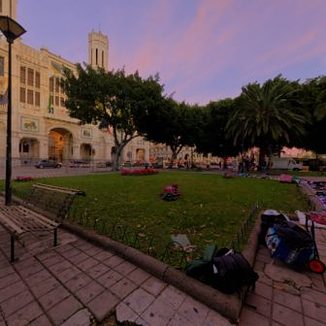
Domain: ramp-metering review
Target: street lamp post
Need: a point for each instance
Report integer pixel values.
(11, 30)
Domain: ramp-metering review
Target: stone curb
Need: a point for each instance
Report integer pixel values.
(228, 305)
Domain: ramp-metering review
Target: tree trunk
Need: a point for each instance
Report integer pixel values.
(117, 157)
(262, 164)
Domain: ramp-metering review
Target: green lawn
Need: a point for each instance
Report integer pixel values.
(211, 208)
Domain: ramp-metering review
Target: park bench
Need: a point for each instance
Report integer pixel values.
(43, 210)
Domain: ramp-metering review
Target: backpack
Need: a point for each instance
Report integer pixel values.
(227, 271)
(290, 243)
(268, 218)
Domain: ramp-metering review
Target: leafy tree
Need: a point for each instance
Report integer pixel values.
(111, 99)
(212, 137)
(313, 94)
(267, 115)
(173, 124)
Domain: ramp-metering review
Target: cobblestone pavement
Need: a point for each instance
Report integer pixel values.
(78, 283)
(285, 297)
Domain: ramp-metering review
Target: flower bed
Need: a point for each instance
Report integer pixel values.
(23, 178)
(145, 171)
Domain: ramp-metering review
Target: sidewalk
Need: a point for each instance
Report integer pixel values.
(80, 284)
(285, 297)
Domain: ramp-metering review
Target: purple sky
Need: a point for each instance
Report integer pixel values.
(203, 49)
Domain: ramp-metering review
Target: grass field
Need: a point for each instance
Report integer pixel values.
(211, 208)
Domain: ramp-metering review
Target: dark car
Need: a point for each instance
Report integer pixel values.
(79, 164)
(47, 164)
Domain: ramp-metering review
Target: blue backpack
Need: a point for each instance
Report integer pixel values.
(291, 244)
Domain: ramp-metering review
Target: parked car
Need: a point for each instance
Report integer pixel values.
(48, 164)
(79, 164)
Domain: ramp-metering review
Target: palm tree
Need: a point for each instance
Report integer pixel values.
(267, 116)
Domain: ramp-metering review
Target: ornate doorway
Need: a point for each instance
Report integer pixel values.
(60, 144)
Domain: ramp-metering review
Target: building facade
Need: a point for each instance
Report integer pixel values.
(41, 125)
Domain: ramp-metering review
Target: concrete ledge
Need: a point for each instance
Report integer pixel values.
(227, 305)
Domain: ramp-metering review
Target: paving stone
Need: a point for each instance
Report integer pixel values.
(259, 266)
(82, 244)
(180, 320)
(142, 322)
(9, 279)
(31, 270)
(97, 270)
(89, 292)
(16, 302)
(44, 287)
(68, 274)
(123, 288)
(260, 304)
(287, 316)
(153, 285)
(64, 309)
(113, 261)
(25, 315)
(38, 277)
(264, 290)
(288, 288)
(109, 278)
(139, 300)
(63, 248)
(193, 310)
(21, 265)
(263, 258)
(80, 318)
(53, 297)
(312, 322)
(12, 290)
(93, 250)
(103, 255)
(78, 282)
(264, 279)
(87, 264)
(70, 253)
(138, 276)
(285, 274)
(158, 313)
(102, 305)
(60, 267)
(6, 271)
(214, 318)
(47, 255)
(77, 259)
(125, 313)
(314, 310)
(288, 300)
(314, 296)
(125, 268)
(172, 296)
(251, 318)
(57, 259)
(40, 321)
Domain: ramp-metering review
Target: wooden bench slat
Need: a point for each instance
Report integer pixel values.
(37, 217)
(59, 189)
(9, 224)
(45, 206)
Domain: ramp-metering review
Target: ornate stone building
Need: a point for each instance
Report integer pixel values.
(41, 125)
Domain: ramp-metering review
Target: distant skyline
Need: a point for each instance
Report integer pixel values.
(203, 50)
